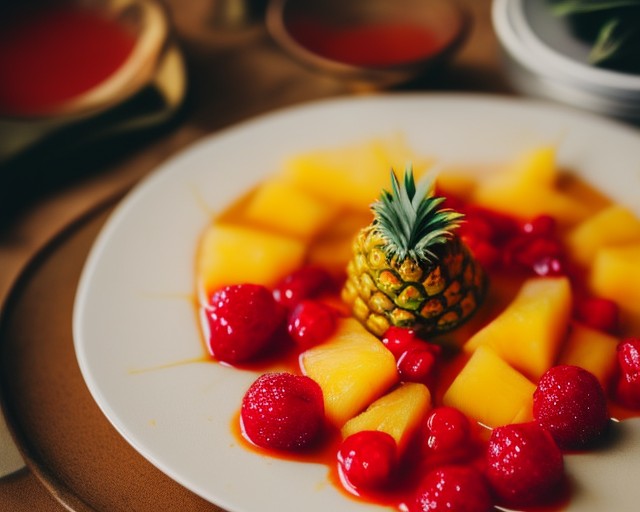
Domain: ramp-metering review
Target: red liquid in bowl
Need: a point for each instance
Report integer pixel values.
(376, 45)
(51, 56)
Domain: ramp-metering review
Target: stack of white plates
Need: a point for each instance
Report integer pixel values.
(544, 59)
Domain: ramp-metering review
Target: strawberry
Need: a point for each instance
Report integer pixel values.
(283, 411)
(455, 488)
(524, 464)
(367, 459)
(310, 323)
(628, 380)
(570, 403)
(241, 320)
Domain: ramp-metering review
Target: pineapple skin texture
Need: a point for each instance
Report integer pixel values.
(429, 298)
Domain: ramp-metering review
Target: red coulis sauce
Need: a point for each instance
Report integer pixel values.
(377, 45)
(52, 55)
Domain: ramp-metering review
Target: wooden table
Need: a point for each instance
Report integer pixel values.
(76, 460)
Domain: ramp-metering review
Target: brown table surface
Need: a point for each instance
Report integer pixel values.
(75, 459)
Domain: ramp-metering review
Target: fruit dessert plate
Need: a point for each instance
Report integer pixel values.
(136, 321)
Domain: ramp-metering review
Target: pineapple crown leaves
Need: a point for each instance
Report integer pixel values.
(410, 219)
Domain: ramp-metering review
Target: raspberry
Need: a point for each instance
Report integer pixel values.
(628, 383)
(283, 411)
(524, 464)
(367, 459)
(455, 488)
(310, 323)
(570, 403)
(398, 339)
(242, 320)
(599, 313)
(448, 431)
(304, 283)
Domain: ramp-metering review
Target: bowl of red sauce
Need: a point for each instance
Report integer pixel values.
(76, 58)
(371, 43)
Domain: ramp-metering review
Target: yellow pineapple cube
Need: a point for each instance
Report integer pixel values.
(334, 247)
(528, 334)
(353, 175)
(230, 254)
(615, 275)
(282, 207)
(399, 413)
(592, 350)
(490, 391)
(353, 368)
(459, 183)
(612, 226)
(527, 188)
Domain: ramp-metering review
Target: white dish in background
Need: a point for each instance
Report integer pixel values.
(545, 59)
(136, 332)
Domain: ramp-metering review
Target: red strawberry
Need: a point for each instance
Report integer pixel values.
(570, 403)
(304, 283)
(454, 488)
(242, 320)
(367, 459)
(628, 383)
(283, 411)
(310, 323)
(524, 464)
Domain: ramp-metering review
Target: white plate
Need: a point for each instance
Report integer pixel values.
(135, 329)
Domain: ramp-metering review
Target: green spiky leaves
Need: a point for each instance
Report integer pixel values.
(411, 220)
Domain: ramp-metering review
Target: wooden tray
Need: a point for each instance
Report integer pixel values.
(67, 442)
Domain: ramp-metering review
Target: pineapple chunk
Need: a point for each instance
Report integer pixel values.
(353, 175)
(459, 183)
(615, 275)
(282, 207)
(528, 334)
(528, 188)
(611, 226)
(334, 247)
(231, 254)
(490, 391)
(398, 413)
(592, 350)
(353, 368)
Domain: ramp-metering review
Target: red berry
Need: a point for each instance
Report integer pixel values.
(483, 251)
(599, 313)
(418, 363)
(548, 266)
(454, 488)
(628, 383)
(398, 339)
(524, 464)
(304, 283)
(367, 460)
(542, 225)
(241, 320)
(570, 403)
(448, 431)
(283, 411)
(310, 323)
